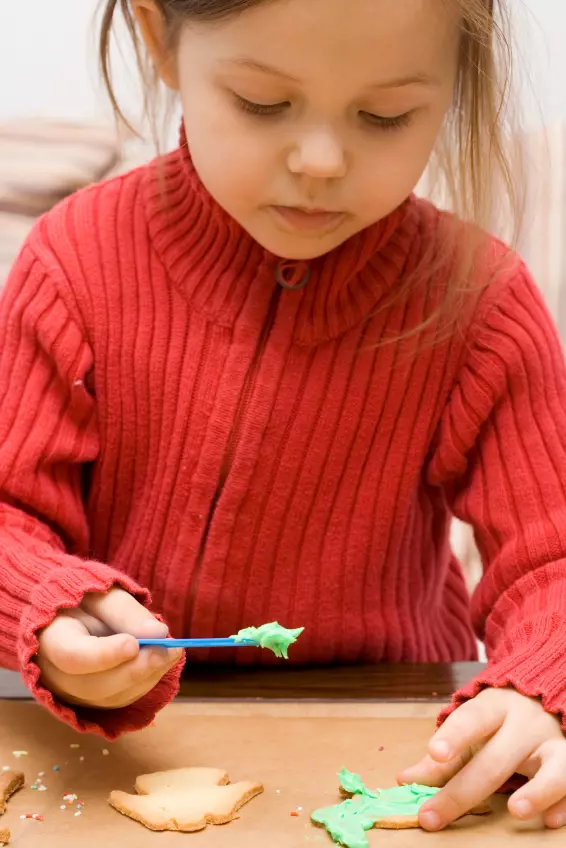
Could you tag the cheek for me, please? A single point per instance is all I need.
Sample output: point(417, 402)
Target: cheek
point(232, 162)
point(392, 171)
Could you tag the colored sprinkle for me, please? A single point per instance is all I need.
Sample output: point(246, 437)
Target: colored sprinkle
point(42, 788)
point(105, 752)
point(78, 813)
point(294, 813)
point(381, 748)
point(34, 816)
point(63, 807)
point(19, 754)
point(41, 774)
point(299, 809)
point(74, 745)
point(82, 759)
point(56, 768)
point(5, 768)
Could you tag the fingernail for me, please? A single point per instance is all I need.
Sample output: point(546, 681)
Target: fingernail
point(158, 659)
point(431, 820)
point(523, 809)
point(130, 650)
point(155, 625)
point(442, 749)
point(557, 821)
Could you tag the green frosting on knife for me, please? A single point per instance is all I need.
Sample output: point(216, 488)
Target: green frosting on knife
point(348, 822)
point(271, 636)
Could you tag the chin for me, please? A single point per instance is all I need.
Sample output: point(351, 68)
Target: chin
point(299, 248)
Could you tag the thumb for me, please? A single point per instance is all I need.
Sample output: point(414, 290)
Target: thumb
point(120, 611)
point(67, 645)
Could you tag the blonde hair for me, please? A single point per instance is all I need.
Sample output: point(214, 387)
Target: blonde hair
point(476, 167)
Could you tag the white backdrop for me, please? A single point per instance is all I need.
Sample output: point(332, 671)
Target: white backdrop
point(48, 59)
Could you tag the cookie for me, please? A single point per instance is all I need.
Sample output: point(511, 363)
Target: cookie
point(10, 782)
point(5, 837)
point(186, 799)
point(365, 809)
point(407, 822)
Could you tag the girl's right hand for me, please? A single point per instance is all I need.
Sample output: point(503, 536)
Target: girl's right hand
point(90, 656)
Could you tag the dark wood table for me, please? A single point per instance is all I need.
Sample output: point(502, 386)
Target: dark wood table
point(407, 682)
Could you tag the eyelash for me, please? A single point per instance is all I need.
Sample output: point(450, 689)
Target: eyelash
point(276, 109)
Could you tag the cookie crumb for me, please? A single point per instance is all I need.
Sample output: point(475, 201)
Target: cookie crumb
point(105, 752)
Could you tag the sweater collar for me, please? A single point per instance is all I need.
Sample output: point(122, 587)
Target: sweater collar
point(217, 264)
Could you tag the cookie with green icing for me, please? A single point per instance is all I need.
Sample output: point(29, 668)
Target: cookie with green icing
point(396, 808)
point(272, 636)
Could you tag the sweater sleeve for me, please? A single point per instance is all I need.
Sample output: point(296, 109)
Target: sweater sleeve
point(501, 457)
point(48, 433)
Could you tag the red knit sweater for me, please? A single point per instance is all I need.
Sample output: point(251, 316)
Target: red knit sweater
point(175, 422)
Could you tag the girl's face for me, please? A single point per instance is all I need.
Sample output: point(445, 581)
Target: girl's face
point(309, 120)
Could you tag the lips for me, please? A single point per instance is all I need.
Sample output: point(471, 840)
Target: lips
point(312, 220)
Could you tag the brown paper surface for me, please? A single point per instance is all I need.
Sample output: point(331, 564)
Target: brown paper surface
point(296, 750)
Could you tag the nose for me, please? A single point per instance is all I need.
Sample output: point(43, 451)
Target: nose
point(318, 155)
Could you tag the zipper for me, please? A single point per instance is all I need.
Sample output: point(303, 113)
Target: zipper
point(233, 442)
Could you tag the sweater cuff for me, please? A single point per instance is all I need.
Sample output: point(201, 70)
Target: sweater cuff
point(533, 662)
point(65, 588)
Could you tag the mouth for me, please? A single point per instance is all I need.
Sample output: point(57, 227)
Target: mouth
point(301, 218)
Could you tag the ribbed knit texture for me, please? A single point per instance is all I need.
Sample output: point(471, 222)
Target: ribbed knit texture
point(247, 453)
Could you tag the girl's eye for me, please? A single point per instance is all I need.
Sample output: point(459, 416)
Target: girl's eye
point(387, 123)
point(261, 108)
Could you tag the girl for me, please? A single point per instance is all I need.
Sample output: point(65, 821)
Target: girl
point(234, 378)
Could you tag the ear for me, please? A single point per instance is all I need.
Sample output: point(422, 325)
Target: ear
point(151, 23)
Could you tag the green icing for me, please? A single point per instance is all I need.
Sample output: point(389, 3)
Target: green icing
point(271, 636)
point(348, 822)
point(352, 784)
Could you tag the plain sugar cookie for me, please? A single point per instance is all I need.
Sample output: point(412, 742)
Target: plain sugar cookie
point(185, 800)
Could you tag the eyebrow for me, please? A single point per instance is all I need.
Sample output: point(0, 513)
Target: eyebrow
point(397, 82)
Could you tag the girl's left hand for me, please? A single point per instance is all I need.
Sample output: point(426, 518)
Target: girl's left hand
point(480, 746)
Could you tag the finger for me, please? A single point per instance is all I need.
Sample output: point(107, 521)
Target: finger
point(470, 725)
point(555, 818)
point(483, 776)
point(548, 786)
point(93, 625)
point(123, 614)
point(109, 686)
point(68, 646)
point(65, 688)
point(430, 773)
point(125, 699)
